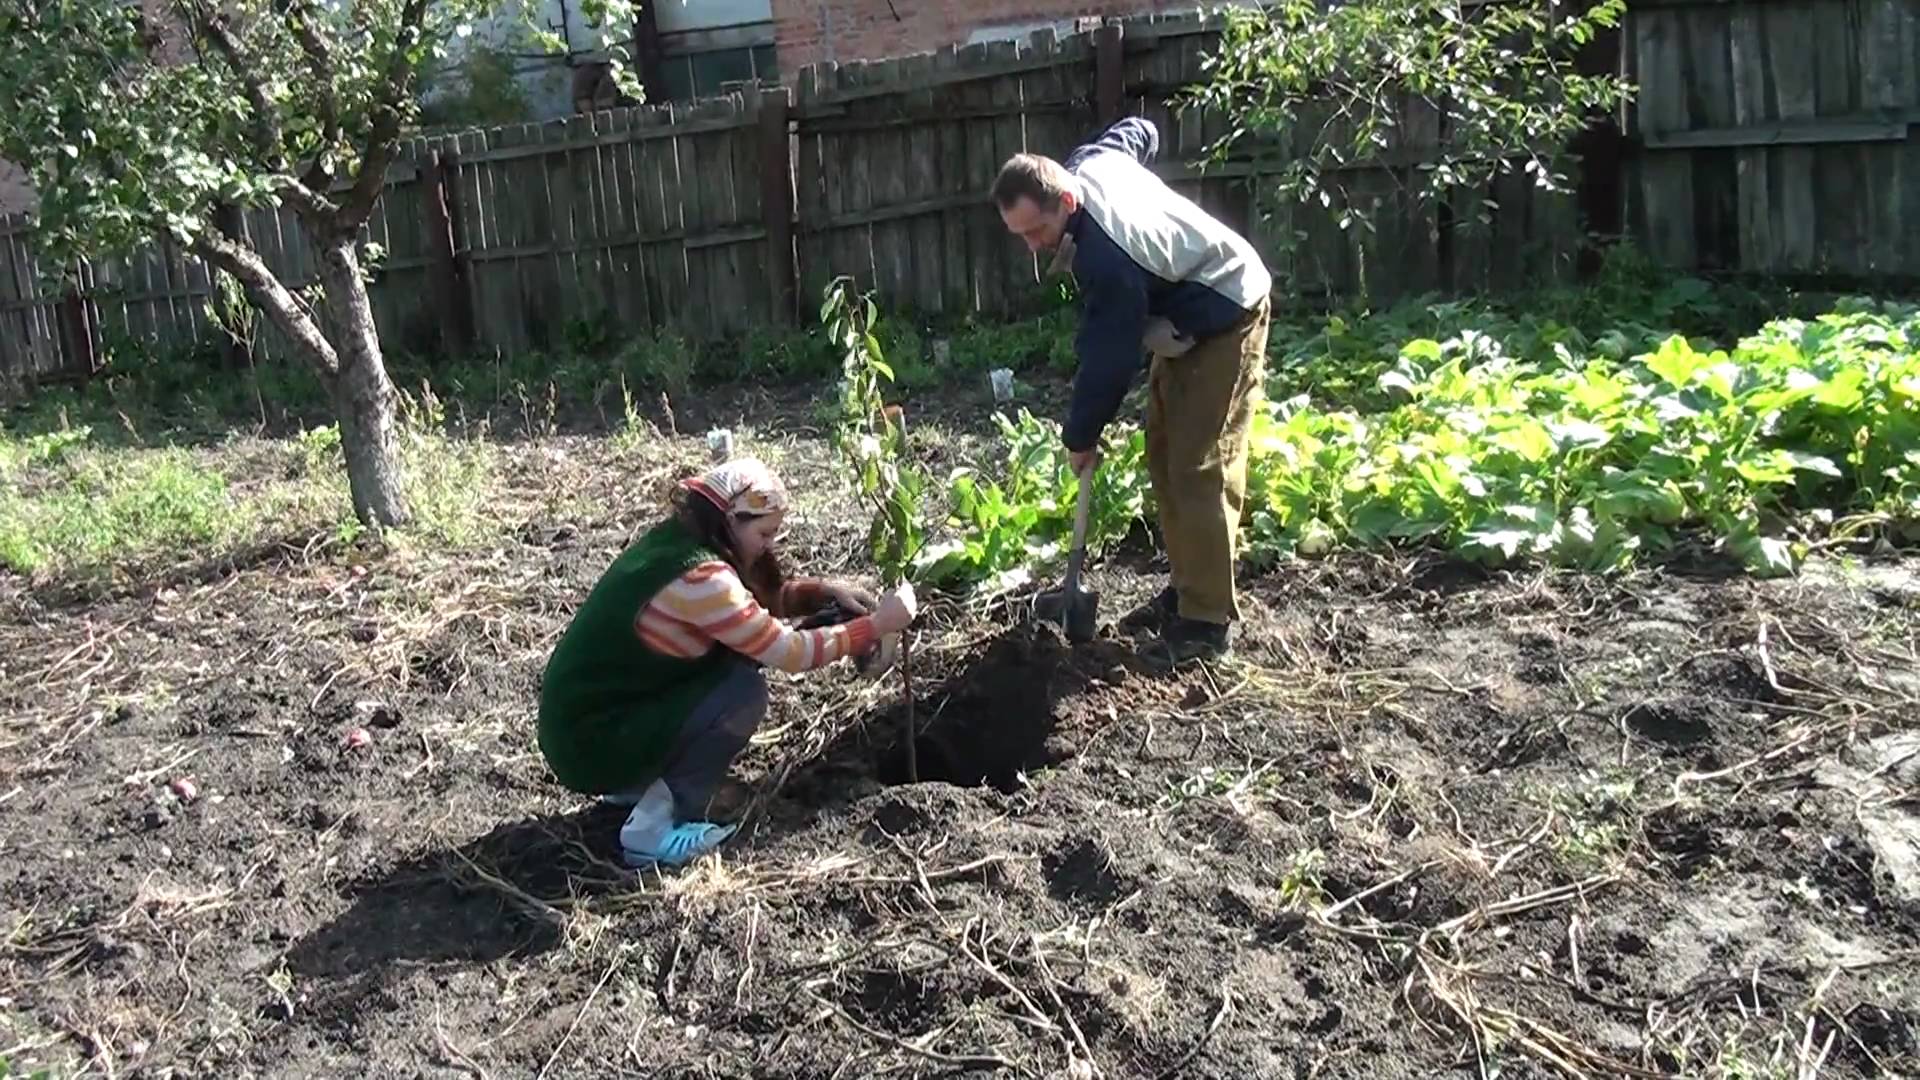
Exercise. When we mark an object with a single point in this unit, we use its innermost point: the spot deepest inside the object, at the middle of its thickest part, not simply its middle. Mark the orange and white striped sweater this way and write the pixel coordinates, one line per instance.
(710, 604)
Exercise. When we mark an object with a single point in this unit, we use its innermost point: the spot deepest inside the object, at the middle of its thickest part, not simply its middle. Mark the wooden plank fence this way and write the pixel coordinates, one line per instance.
(1777, 137)
(711, 218)
(30, 345)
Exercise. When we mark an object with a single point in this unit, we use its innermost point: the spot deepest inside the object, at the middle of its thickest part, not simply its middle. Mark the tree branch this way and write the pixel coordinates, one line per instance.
(300, 16)
(386, 119)
(266, 123)
(306, 200)
(294, 318)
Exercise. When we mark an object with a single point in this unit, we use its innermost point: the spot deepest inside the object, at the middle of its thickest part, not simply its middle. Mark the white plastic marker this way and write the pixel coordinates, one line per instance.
(1002, 384)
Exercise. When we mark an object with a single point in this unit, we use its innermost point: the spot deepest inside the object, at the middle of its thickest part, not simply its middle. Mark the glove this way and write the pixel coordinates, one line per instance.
(897, 610)
(1161, 339)
(880, 659)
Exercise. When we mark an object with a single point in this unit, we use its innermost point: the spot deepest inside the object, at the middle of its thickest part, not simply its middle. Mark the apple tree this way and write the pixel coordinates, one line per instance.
(140, 123)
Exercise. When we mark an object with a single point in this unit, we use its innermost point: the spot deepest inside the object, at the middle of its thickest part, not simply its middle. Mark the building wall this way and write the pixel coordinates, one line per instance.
(708, 45)
(15, 196)
(812, 31)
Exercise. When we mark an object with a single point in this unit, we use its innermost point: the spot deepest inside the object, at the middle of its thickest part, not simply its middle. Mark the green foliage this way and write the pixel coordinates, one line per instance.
(123, 144)
(594, 334)
(93, 508)
(1599, 816)
(8, 1072)
(1023, 345)
(634, 431)
(318, 450)
(1234, 786)
(1591, 461)
(665, 361)
(872, 436)
(48, 448)
(1522, 437)
(906, 351)
(1302, 883)
(72, 506)
(448, 476)
(1631, 308)
(479, 88)
(1314, 88)
(229, 310)
(1022, 521)
(779, 354)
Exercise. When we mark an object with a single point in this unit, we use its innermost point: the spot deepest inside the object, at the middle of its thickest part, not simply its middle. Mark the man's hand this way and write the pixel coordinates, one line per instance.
(1083, 461)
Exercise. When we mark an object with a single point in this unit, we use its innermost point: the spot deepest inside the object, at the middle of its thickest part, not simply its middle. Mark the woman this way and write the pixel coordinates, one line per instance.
(658, 684)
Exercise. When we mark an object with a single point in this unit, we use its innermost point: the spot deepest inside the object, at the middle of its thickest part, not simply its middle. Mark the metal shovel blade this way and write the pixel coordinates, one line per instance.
(1078, 612)
(1083, 613)
(1076, 607)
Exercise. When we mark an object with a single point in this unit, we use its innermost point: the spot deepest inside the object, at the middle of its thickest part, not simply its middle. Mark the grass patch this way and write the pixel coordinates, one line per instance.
(448, 478)
(74, 506)
(92, 507)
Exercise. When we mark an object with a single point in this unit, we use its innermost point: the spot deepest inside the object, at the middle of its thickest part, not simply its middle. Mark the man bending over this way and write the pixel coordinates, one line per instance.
(1157, 276)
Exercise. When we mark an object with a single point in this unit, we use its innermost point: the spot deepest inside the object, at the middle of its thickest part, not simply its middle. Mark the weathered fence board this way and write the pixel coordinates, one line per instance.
(27, 336)
(1777, 137)
(713, 217)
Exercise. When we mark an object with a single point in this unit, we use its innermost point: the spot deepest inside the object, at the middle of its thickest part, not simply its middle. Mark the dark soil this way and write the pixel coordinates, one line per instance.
(1099, 859)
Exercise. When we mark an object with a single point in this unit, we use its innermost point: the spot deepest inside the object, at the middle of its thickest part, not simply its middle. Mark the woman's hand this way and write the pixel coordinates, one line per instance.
(896, 610)
(852, 599)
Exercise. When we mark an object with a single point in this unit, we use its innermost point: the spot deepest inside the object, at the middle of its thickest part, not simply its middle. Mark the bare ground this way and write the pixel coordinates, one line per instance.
(1432, 822)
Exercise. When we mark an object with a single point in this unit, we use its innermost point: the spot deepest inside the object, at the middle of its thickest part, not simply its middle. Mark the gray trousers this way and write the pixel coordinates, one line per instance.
(713, 735)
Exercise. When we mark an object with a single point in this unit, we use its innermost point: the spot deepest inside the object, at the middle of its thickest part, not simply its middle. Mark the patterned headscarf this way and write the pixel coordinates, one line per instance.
(743, 486)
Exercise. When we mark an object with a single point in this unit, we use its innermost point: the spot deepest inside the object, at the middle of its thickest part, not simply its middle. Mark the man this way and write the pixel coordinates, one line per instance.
(1157, 275)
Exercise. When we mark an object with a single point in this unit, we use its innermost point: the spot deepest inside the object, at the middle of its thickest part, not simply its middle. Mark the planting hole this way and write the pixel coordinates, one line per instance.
(990, 724)
(981, 738)
(1670, 723)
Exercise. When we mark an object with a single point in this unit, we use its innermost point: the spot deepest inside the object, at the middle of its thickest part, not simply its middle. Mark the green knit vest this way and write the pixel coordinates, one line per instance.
(610, 706)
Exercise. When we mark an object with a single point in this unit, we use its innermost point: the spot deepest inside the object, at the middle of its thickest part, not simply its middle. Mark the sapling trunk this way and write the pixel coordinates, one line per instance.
(906, 692)
(874, 438)
(906, 642)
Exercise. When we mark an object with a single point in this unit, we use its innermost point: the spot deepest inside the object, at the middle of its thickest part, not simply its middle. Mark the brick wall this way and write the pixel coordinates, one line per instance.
(811, 31)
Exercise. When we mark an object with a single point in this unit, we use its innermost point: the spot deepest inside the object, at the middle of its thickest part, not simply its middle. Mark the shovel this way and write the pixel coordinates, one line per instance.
(1077, 608)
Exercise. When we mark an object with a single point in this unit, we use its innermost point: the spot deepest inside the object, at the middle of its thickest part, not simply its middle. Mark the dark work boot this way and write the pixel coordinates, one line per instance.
(1186, 639)
(1153, 614)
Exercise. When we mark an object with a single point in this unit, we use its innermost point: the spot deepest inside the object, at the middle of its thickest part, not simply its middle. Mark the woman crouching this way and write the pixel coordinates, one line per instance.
(657, 684)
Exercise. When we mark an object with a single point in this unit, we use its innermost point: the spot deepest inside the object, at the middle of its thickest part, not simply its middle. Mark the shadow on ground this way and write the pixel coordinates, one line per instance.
(504, 894)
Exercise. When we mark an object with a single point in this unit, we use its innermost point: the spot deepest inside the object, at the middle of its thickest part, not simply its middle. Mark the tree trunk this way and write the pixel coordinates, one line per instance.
(363, 395)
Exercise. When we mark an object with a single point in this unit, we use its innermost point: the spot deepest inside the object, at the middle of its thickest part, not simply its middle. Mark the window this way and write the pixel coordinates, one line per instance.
(710, 73)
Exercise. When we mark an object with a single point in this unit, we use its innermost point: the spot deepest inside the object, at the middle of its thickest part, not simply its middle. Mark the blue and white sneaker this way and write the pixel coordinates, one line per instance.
(678, 846)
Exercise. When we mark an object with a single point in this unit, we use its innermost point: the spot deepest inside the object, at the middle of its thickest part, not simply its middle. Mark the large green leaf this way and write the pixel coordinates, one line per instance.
(1578, 435)
(1676, 362)
(1530, 439)
(1764, 556)
(1638, 495)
